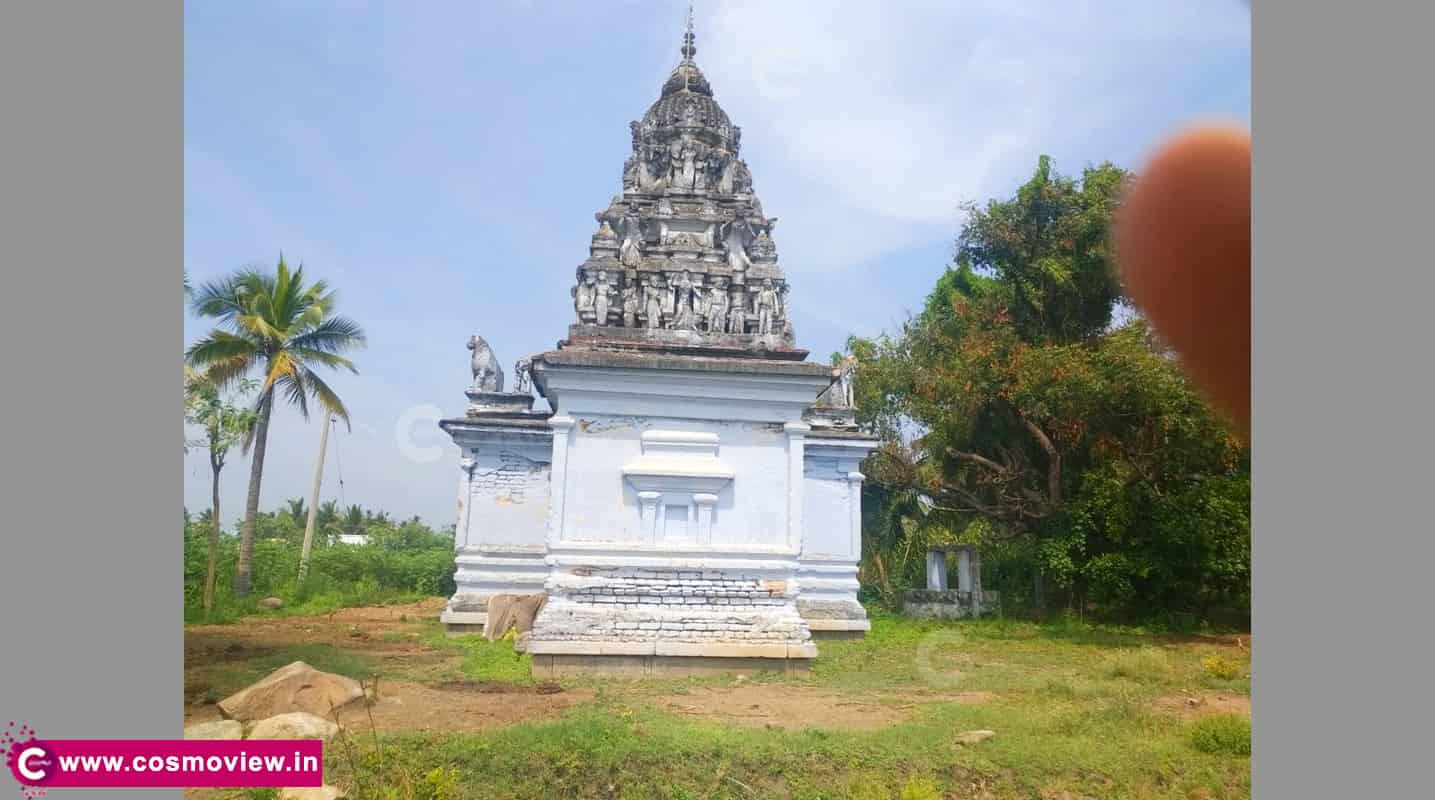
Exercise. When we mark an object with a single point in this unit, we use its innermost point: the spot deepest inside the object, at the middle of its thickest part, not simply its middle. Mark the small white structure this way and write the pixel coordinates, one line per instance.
(694, 499)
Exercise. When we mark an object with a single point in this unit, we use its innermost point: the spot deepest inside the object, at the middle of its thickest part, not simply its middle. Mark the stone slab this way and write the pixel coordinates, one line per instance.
(835, 635)
(829, 625)
(558, 666)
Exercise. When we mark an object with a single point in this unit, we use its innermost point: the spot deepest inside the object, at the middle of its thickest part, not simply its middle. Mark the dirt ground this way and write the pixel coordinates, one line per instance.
(1191, 706)
(421, 688)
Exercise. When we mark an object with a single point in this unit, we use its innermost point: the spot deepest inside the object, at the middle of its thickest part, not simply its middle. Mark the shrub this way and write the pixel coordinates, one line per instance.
(922, 789)
(410, 562)
(1222, 734)
(1141, 664)
(1221, 668)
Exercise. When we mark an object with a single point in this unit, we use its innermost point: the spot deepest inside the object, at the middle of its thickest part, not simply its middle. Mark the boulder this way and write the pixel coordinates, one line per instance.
(296, 687)
(295, 725)
(974, 737)
(271, 603)
(312, 793)
(218, 729)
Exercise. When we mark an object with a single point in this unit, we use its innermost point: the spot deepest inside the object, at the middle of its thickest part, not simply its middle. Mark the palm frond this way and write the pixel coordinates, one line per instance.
(217, 346)
(333, 335)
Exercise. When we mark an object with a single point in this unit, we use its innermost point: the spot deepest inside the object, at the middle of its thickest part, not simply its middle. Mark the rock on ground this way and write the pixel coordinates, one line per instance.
(295, 725)
(218, 729)
(311, 793)
(973, 737)
(271, 603)
(296, 687)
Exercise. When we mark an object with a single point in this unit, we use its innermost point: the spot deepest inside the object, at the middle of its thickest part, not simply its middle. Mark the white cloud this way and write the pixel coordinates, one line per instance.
(867, 123)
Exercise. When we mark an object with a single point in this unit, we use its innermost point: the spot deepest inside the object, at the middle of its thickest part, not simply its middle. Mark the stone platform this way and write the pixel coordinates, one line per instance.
(649, 666)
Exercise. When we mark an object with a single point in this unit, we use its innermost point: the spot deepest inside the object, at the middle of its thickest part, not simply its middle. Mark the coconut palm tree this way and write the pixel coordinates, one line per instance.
(276, 324)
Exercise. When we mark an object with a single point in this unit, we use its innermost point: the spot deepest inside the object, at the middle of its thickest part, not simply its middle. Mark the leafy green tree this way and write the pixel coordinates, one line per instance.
(1011, 399)
(224, 426)
(278, 325)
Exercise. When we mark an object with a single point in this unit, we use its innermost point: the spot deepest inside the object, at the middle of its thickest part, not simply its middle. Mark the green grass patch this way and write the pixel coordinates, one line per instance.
(1222, 734)
(223, 678)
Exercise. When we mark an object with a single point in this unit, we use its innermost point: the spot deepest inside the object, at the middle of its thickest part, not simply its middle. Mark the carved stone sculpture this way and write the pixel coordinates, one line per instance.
(766, 307)
(652, 304)
(737, 314)
(734, 240)
(717, 305)
(631, 252)
(603, 299)
(630, 305)
(683, 317)
(846, 372)
(487, 375)
(522, 382)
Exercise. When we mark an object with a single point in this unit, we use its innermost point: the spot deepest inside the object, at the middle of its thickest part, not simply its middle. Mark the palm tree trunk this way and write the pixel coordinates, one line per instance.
(243, 580)
(215, 466)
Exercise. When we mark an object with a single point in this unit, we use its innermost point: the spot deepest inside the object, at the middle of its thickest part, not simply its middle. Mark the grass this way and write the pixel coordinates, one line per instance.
(1222, 734)
(229, 609)
(216, 681)
(1077, 711)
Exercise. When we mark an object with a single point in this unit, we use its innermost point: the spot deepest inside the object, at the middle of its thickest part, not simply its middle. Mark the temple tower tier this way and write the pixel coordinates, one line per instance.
(693, 500)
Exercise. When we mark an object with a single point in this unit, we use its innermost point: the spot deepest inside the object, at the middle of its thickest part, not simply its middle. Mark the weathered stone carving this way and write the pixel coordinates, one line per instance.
(487, 375)
(695, 248)
(717, 305)
(734, 240)
(737, 314)
(652, 304)
(603, 298)
(766, 307)
(631, 253)
(630, 306)
(683, 317)
(522, 378)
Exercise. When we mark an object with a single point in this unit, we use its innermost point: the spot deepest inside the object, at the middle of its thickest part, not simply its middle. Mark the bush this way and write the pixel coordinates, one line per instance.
(1142, 664)
(1222, 734)
(398, 564)
(1221, 668)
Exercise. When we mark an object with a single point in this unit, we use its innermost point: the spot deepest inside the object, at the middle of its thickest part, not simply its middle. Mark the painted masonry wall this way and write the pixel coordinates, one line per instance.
(504, 493)
(507, 497)
(602, 506)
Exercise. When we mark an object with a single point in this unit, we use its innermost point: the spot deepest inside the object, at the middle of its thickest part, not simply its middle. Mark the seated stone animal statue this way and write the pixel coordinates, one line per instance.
(487, 375)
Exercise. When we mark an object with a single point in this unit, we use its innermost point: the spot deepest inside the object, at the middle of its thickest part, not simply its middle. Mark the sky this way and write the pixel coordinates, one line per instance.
(439, 164)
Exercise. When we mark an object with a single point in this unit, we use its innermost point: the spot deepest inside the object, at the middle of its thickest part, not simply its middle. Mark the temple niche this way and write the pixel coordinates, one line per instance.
(693, 499)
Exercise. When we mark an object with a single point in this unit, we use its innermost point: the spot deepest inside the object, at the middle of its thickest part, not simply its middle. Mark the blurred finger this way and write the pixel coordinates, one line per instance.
(1184, 247)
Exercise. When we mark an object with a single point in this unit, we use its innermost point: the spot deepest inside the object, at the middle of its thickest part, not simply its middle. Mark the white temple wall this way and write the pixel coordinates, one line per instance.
(500, 535)
(603, 506)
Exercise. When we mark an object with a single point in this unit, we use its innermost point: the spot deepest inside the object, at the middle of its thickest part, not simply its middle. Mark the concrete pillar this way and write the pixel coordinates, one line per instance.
(937, 570)
(562, 426)
(854, 509)
(705, 503)
(796, 438)
(648, 503)
(964, 569)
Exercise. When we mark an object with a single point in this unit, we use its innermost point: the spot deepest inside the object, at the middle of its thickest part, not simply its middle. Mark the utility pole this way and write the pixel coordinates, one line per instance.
(314, 498)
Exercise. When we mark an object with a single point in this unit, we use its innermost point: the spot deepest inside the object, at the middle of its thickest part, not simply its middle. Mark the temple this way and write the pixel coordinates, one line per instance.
(693, 501)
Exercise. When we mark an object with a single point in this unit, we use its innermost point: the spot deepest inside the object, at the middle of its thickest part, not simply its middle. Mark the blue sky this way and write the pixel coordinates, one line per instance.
(440, 164)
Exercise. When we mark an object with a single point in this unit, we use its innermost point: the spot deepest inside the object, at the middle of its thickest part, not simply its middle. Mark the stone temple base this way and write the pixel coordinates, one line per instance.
(948, 604)
(604, 615)
(647, 666)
